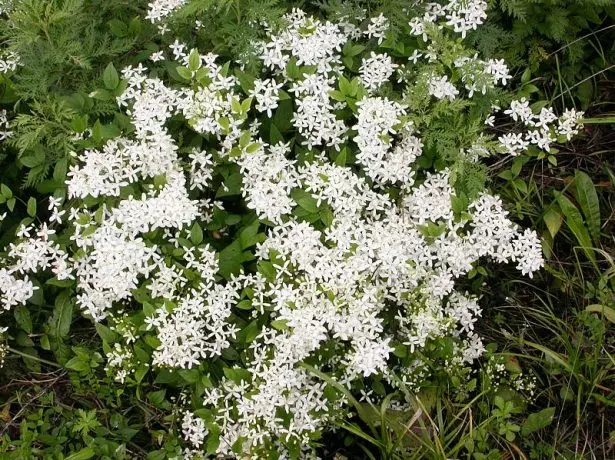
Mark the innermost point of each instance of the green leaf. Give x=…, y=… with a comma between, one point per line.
x=157, y=397
x=62, y=315
x=244, y=305
x=249, y=236
x=304, y=200
x=110, y=77
x=78, y=364
x=196, y=234
x=608, y=312
x=83, y=454
x=538, y=421
x=5, y=191
x=31, y=161
x=575, y=223
x=341, y=157
x=184, y=72
x=279, y=324
x=105, y=333
x=587, y=197
x=44, y=340
x=194, y=60
x=229, y=260
x=22, y=316
x=553, y=220
x=118, y=28
x=31, y=207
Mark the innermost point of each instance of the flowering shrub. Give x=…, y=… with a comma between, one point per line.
x=247, y=234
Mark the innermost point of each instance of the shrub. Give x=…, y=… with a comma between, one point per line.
x=278, y=246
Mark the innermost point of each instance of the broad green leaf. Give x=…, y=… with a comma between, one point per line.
x=229, y=262
x=62, y=315
x=32, y=207
x=118, y=28
x=553, y=220
x=194, y=60
x=574, y=221
x=83, y=454
x=608, y=312
x=110, y=77
x=304, y=200
x=22, y=316
x=587, y=197
x=184, y=72
x=105, y=333
x=538, y=421
x=78, y=364
x=196, y=234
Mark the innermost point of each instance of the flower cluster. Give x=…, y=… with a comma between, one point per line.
x=362, y=251
x=541, y=129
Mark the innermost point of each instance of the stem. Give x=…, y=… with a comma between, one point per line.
x=35, y=358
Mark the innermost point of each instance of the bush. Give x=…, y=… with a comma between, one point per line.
x=269, y=244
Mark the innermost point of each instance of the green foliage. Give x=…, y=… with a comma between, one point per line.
x=567, y=45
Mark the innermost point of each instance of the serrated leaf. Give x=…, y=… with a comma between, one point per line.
x=587, y=197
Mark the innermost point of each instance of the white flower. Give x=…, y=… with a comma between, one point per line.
x=441, y=88
x=520, y=111
x=514, y=144
x=267, y=93
x=157, y=56
x=376, y=70
x=377, y=27
x=160, y=9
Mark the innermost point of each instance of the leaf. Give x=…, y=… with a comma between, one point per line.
x=587, y=197
x=78, y=364
x=608, y=312
x=6, y=192
x=538, y=421
x=83, y=454
x=249, y=236
x=574, y=221
x=305, y=200
x=62, y=315
x=553, y=220
x=341, y=157
x=194, y=60
x=105, y=333
x=184, y=72
x=157, y=397
x=22, y=316
x=110, y=77
x=229, y=260
x=196, y=234
x=118, y=28
x=32, y=207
